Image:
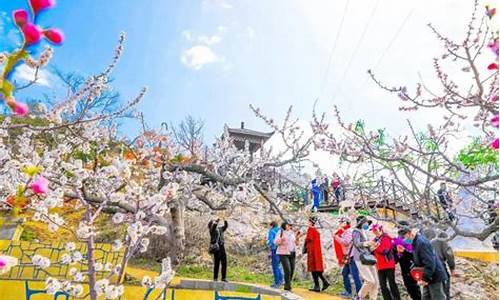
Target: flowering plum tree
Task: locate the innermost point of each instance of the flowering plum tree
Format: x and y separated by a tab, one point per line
419	159
80	163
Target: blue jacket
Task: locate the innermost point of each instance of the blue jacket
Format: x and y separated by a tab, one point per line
424	256
270	237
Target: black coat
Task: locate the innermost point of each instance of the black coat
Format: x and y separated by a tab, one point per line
424	256
216	231
406	263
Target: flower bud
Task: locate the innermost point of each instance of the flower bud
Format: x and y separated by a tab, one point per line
21	109
39	5
31	33
494	144
54	36
20	17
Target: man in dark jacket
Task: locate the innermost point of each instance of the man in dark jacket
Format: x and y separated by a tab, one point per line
404	256
217	238
434	275
445	254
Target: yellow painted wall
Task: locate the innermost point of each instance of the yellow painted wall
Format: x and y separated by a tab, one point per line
486	256
14	290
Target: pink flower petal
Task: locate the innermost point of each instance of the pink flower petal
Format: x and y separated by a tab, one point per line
54	36
493	66
31	33
21	109
494	121
490	12
39	5
494	46
494	144
40	185
20	17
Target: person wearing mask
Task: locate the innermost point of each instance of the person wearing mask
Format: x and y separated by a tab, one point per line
286	241
275	260
342	241
386	264
433	275
217	247
312	247
445	254
362	246
404	257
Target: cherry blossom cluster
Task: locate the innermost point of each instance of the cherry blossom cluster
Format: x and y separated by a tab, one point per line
32	35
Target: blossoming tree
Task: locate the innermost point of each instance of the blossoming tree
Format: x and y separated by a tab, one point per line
81	163
420	159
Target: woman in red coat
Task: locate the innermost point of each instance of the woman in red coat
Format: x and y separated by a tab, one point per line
386	263
312	247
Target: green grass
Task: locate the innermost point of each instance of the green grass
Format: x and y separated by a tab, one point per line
239	270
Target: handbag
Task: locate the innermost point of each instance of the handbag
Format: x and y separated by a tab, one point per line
365	257
417	273
214	247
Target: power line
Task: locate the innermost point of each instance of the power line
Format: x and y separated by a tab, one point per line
394	38
365	29
388	47
334	46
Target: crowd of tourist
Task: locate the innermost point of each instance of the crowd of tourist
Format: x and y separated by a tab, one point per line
368	255
366	252
323	190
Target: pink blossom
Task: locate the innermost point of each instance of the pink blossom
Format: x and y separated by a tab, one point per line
39	5
31	33
494	46
493	66
494	144
20	17
3	263
20	109
54	35
494	121
490	12
40	185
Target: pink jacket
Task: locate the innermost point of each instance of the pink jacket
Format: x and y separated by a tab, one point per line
285	241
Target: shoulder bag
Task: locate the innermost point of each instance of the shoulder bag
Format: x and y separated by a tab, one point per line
215	247
366	257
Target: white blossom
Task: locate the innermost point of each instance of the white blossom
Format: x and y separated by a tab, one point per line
41	261
118	218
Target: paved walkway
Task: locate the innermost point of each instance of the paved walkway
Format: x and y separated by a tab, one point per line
298	291
314	296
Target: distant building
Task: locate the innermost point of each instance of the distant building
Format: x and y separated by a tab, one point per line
242	135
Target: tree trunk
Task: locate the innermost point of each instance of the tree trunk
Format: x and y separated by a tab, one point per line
177	215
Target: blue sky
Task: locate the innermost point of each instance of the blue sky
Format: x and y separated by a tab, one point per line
211	58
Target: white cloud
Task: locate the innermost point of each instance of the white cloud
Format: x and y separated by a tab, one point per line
209	40
25	73
198	56
205	39
201	53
